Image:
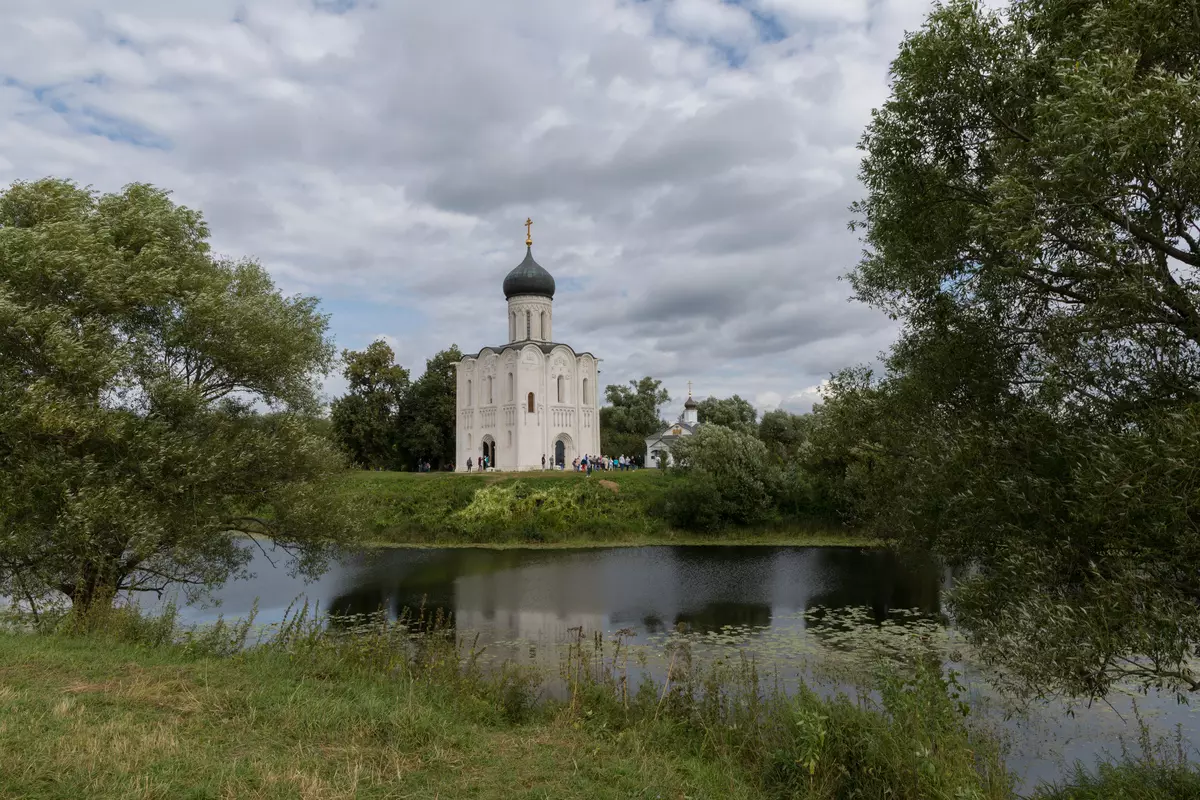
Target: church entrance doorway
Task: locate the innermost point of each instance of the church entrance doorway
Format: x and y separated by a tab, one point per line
488	452
564	450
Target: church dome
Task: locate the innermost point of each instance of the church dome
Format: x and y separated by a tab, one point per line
690	403
529	277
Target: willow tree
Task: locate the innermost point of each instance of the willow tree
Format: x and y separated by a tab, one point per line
132	364
1033	218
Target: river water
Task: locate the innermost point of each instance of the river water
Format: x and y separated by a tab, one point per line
502	597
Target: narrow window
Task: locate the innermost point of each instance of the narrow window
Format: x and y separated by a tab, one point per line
528	324
490	401
545	334
510	438
511	395
561	381
586	399
468	393
530	403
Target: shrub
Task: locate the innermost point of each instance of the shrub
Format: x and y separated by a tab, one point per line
728	479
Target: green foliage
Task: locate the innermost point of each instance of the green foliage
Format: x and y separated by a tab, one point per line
414	508
332	706
731	412
131	361
366	420
730	479
1032	217
1158	772
785	434
384	421
631	415
430	419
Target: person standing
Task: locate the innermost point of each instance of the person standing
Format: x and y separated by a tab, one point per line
469	463
543	461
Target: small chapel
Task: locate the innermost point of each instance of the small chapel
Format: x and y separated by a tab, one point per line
658	446
529	403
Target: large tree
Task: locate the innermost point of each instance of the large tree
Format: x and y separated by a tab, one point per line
730	412
633	413
131	364
1032	218
368	420
430	419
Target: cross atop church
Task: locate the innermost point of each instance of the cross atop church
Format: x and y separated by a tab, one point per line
689	388
528	232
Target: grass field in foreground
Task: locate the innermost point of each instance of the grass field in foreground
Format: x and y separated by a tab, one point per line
81	718
547	509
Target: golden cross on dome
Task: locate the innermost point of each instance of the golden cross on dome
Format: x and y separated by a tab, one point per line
689	388
528	232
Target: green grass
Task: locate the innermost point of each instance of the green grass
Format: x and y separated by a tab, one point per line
545	509
130	707
86	718
121	712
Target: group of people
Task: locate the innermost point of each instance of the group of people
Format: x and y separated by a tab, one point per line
588	463
581	464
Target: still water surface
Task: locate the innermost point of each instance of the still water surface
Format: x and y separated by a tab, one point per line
503	596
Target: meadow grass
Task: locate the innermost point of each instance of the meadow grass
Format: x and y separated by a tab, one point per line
547	509
135	709
125	706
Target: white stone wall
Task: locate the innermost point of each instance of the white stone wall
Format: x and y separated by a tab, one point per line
530	317
494	405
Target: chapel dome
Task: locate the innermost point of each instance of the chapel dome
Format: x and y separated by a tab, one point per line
690	403
529	277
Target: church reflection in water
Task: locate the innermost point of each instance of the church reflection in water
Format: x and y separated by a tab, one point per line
540	595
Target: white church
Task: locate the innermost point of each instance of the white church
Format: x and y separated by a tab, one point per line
531	398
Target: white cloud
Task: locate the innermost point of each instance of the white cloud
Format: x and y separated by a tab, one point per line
688	163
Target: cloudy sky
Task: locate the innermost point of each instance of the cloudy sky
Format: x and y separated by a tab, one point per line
688	163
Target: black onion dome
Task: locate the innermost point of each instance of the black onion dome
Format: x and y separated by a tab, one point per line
529	277
690	403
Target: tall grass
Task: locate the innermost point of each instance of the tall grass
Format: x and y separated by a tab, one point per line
907	739
904	734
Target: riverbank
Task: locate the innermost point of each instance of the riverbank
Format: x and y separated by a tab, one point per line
132	710
131	716
550	509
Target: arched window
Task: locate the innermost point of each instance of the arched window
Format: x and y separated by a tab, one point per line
511	396
587	398
545	334
512	326
561	383
490	400
529	403
468	392
528	324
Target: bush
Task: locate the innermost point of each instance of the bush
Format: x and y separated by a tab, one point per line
728	479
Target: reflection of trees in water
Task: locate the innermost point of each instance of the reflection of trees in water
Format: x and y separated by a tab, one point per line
714	616
879	580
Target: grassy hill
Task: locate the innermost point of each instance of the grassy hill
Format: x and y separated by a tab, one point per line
543	508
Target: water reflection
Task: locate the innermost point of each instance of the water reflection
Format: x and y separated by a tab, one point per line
535	594
539	595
